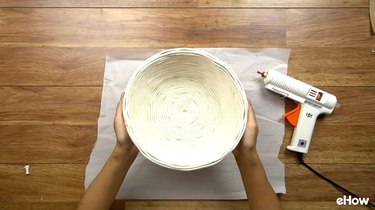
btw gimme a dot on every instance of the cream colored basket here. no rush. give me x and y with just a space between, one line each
185 109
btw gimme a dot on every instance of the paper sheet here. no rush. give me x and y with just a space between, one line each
146 180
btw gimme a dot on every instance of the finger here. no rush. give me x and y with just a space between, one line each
119 107
119 104
251 114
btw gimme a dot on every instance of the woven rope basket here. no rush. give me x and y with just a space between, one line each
185 109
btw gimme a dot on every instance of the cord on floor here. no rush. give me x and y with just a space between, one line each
300 160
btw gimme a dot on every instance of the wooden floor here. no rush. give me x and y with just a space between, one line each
52 56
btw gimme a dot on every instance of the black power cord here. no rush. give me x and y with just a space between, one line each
300 160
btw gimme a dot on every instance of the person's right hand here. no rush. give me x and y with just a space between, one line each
247 145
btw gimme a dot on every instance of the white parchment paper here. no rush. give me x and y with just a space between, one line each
146 180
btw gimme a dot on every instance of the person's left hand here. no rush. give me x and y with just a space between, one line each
123 138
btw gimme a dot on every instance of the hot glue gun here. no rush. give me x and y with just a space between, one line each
310 101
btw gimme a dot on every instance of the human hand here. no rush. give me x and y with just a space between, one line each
123 139
104 188
258 189
247 145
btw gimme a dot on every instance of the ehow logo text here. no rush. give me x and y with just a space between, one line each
352 201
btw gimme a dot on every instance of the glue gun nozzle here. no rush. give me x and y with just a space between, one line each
263 74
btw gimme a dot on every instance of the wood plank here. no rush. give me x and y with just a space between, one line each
51 66
46 183
116 205
46 143
42 205
186 205
284 4
335 144
38 205
230 205
80 105
333 66
143 27
182 205
61 66
64 183
176 3
318 205
50 105
102 3
329 28
303 185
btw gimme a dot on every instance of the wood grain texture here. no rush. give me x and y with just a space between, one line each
62 66
143 27
190 3
39 205
333 66
181 205
186 205
51 66
42 205
46 183
303 185
372 14
101 3
191 27
330 205
50 105
335 144
64 183
329 28
46 143
284 4
231 205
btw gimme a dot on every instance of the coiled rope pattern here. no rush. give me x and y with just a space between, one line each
185 109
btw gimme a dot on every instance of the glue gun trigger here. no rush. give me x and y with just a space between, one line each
292 116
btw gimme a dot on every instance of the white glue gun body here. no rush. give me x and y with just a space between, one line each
311 103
